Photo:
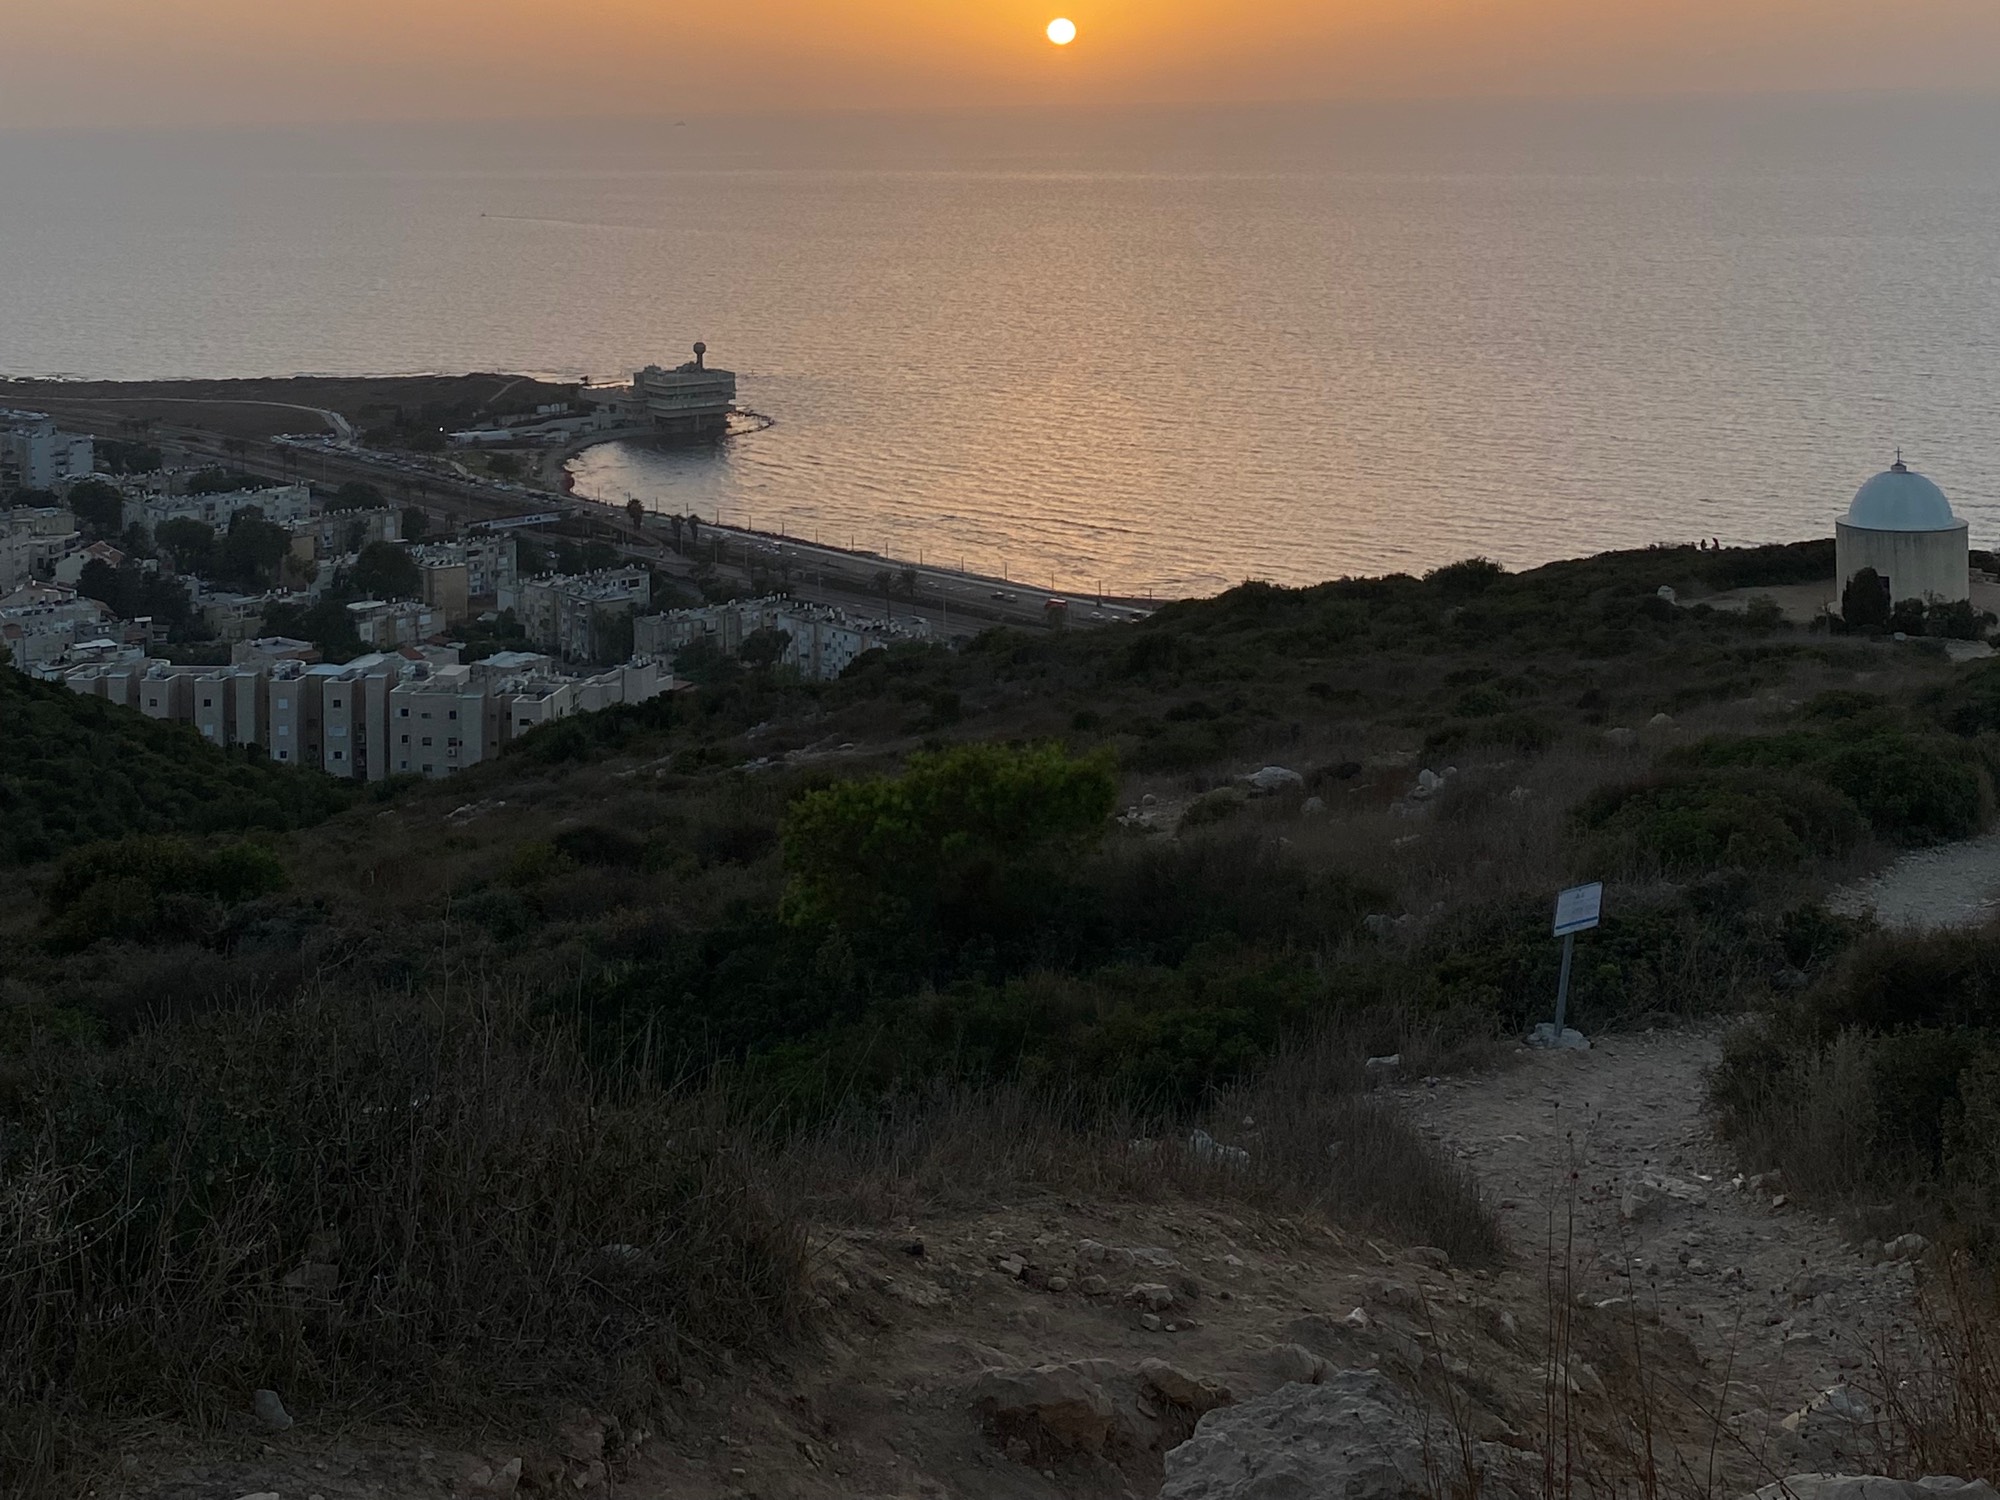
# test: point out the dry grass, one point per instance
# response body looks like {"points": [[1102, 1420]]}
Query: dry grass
{"points": [[1943, 1415], [404, 1209], [1302, 1139], [490, 1223]]}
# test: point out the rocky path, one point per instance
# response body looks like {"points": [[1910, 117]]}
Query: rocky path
{"points": [[1955, 885], [1604, 1162]]}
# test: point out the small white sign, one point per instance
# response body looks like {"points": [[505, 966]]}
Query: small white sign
{"points": [[1579, 907]]}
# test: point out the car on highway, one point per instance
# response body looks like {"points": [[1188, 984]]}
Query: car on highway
{"points": [[1006, 598]]}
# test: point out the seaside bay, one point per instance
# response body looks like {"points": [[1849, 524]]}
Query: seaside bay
{"points": [[1144, 351]]}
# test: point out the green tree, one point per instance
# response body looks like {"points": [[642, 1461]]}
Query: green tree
{"points": [[385, 571], [131, 592], [1864, 603], [504, 465], [253, 551], [99, 508], [33, 499], [764, 648], [325, 623], [191, 542], [416, 523], [122, 457], [972, 844], [613, 636]]}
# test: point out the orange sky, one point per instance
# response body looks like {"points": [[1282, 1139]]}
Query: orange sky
{"points": [[199, 61]]}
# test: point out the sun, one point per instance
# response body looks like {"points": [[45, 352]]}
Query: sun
{"points": [[1062, 32]]}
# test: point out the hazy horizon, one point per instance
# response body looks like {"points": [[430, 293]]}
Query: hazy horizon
{"points": [[220, 62]]}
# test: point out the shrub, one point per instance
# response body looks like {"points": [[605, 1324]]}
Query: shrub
{"points": [[74, 770], [964, 838], [1462, 580], [1217, 805], [1864, 601], [1693, 821], [1916, 787], [138, 889]]}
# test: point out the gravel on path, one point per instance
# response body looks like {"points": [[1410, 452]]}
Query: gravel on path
{"points": [[1605, 1161], [1954, 885]]}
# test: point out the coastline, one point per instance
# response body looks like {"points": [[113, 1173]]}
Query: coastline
{"points": [[251, 424]]}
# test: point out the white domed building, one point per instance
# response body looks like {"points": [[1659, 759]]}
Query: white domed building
{"points": [[1901, 525]]}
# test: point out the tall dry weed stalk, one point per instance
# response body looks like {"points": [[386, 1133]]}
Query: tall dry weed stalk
{"points": [[1941, 1410], [367, 1204]]}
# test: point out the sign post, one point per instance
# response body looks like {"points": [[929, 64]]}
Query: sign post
{"points": [[1578, 909]]}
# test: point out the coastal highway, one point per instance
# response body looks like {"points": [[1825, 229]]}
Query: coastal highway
{"points": [[955, 603]]}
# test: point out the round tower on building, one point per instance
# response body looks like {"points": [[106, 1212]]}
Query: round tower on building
{"points": [[1901, 525]]}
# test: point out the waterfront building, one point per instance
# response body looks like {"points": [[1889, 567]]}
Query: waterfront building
{"points": [[692, 402], [1901, 525]]}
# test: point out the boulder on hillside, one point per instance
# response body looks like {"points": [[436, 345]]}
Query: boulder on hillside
{"points": [[1875, 1487], [1271, 780], [1053, 1408], [1356, 1436]]}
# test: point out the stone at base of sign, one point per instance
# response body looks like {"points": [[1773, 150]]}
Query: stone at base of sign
{"points": [[1546, 1037]]}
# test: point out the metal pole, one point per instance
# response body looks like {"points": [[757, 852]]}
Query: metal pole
{"points": [[1562, 986]]}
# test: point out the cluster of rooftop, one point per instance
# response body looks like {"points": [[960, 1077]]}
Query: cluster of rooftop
{"points": [[414, 711], [818, 641]]}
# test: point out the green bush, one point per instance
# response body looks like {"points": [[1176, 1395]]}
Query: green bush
{"points": [[1689, 822], [139, 889], [74, 770], [968, 843], [1913, 786]]}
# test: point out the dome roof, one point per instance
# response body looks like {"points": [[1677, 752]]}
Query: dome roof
{"points": [[1901, 500]]}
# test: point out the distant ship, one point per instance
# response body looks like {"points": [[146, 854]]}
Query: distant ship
{"points": [[690, 403]]}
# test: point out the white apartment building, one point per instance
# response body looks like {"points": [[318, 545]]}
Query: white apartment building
{"points": [[388, 623], [724, 626], [488, 558], [566, 614], [285, 718], [341, 533], [36, 455], [33, 542], [166, 692], [822, 641], [437, 721], [282, 505], [41, 621], [407, 712]]}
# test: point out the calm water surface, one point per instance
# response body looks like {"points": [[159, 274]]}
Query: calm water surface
{"points": [[1161, 350]]}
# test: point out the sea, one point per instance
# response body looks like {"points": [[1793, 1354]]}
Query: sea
{"points": [[1146, 351]]}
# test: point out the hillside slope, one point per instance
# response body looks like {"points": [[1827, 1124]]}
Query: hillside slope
{"points": [[76, 769]]}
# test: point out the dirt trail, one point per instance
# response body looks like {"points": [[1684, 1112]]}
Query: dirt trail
{"points": [[1763, 1307], [1956, 885], [1658, 1213]]}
